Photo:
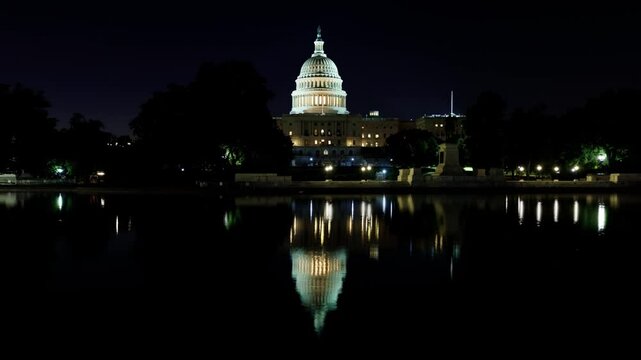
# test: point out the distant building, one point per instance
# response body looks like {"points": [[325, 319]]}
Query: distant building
{"points": [[442, 126], [322, 129]]}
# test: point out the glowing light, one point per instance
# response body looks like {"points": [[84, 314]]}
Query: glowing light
{"points": [[539, 168], [575, 168], [506, 202], [59, 202], [520, 209], [601, 218], [329, 211], [556, 169], [116, 224], [102, 202], [539, 211], [100, 173], [601, 157], [468, 168], [576, 212], [556, 210]]}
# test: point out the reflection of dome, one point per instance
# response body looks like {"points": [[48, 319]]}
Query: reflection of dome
{"points": [[319, 279], [319, 88]]}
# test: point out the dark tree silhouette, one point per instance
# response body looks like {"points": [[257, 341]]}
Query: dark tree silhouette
{"points": [[605, 123], [484, 126], [26, 131], [84, 143], [413, 147], [217, 124], [529, 136]]}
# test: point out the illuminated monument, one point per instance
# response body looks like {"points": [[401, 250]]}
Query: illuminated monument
{"points": [[324, 132], [321, 128], [319, 88]]}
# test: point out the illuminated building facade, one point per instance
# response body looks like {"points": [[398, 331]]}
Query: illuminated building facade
{"points": [[324, 132], [442, 126], [319, 124]]}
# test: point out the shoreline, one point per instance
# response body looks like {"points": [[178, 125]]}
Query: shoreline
{"points": [[343, 187]]}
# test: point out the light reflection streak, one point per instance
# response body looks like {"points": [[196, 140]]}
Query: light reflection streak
{"points": [[520, 209], [601, 215]]}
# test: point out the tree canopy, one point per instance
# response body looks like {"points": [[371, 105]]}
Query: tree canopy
{"points": [[218, 123], [484, 127], [412, 148], [26, 130]]}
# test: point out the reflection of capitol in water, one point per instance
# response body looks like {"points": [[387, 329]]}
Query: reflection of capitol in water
{"points": [[321, 233], [319, 278]]}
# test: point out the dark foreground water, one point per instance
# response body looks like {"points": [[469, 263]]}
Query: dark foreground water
{"points": [[319, 275]]}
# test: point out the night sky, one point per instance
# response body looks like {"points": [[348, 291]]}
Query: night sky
{"points": [[105, 59]]}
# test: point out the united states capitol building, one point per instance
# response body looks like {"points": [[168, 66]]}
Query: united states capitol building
{"points": [[324, 132]]}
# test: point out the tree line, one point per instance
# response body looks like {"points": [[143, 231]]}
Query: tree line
{"points": [[206, 130], [596, 137], [219, 124]]}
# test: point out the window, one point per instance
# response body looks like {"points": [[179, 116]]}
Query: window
{"points": [[290, 133]]}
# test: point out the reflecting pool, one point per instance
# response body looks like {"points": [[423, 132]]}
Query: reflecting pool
{"points": [[533, 271]]}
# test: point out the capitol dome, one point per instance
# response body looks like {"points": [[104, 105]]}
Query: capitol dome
{"points": [[319, 66], [319, 87]]}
